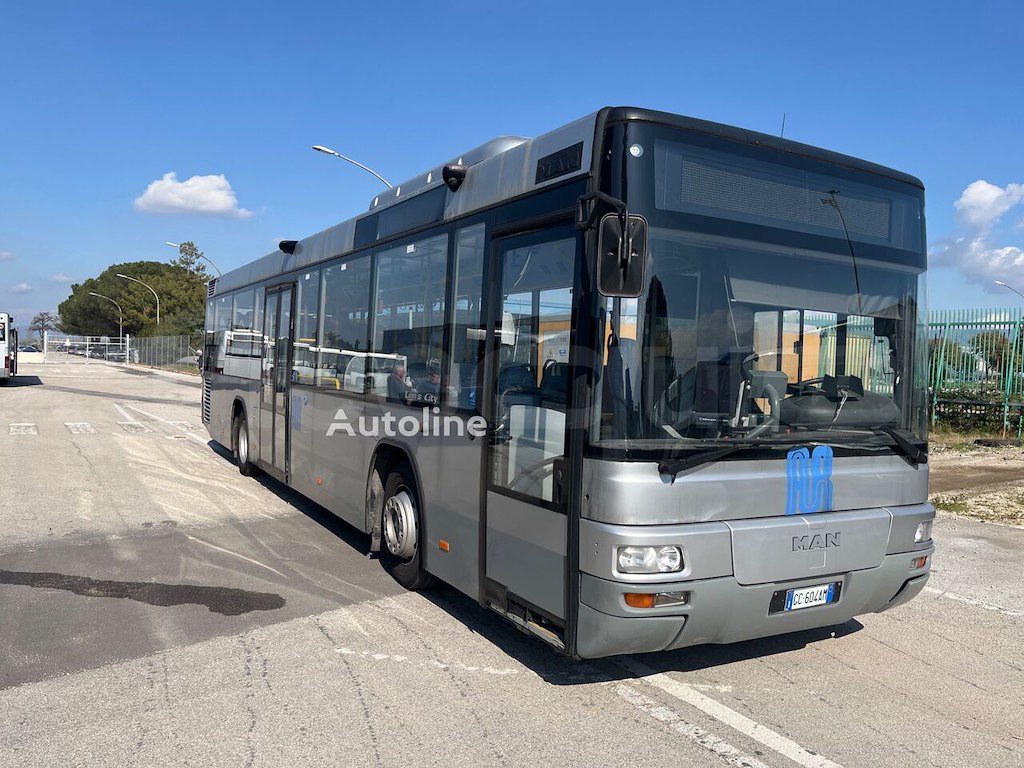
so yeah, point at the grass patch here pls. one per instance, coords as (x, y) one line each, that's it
(954, 507)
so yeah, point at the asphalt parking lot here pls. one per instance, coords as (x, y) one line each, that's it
(156, 608)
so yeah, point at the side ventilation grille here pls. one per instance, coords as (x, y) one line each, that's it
(206, 401)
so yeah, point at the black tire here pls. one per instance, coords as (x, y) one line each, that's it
(399, 508)
(241, 447)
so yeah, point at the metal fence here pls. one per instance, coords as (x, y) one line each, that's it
(173, 353)
(976, 369)
(85, 349)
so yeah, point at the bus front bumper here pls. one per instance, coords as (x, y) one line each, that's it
(721, 610)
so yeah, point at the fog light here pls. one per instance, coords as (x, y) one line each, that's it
(923, 532)
(650, 560)
(918, 563)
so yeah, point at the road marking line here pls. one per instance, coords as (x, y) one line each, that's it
(80, 428)
(775, 741)
(124, 414)
(24, 429)
(197, 438)
(699, 736)
(235, 554)
(376, 656)
(943, 594)
(133, 426)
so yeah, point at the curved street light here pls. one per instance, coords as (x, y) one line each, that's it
(328, 151)
(136, 280)
(197, 254)
(120, 313)
(1008, 287)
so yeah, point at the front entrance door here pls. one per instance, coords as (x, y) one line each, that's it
(527, 527)
(275, 378)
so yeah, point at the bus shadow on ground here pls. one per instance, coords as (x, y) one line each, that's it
(22, 380)
(557, 669)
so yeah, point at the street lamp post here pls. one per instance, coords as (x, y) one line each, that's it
(120, 314)
(1008, 287)
(136, 280)
(195, 253)
(328, 151)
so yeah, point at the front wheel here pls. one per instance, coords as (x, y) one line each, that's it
(241, 444)
(402, 531)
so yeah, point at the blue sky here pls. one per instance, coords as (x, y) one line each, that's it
(102, 101)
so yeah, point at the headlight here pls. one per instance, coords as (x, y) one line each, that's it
(923, 532)
(650, 560)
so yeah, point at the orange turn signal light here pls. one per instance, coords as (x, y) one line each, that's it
(639, 600)
(918, 563)
(443, 545)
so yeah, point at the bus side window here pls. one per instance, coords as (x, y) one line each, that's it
(409, 327)
(344, 331)
(468, 331)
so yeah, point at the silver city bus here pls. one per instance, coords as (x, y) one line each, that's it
(640, 383)
(8, 348)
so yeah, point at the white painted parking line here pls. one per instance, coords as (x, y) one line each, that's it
(80, 428)
(944, 595)
(754, 730)
(24, 429)
(197, 438)
(698, 735)
(124, 414)
(133, 426)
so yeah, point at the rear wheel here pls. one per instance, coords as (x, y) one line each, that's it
(402, 530)
(240, 429)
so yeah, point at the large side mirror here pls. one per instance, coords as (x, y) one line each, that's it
(622, 257)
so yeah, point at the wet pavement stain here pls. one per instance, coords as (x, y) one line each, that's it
(226, 601)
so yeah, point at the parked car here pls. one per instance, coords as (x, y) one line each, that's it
(27, 348)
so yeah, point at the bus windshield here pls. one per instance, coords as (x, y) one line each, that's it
(761, 325)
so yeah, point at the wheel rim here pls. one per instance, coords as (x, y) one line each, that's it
(400, 525)
(243, 444)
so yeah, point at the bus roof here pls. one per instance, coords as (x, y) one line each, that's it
(502, 168)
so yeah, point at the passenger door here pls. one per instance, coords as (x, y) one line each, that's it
(275, 378)
(531, 314)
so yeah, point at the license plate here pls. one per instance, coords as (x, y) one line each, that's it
(807, 597)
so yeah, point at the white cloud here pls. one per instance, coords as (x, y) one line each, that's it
(982, 204)
(6, 256)
(211, 195)
(22, 288)
(60, 277)
(978, 250)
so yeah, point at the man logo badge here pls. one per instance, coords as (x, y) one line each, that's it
(817, 541)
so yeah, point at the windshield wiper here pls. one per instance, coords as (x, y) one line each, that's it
(902, 446)
(673, 467)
